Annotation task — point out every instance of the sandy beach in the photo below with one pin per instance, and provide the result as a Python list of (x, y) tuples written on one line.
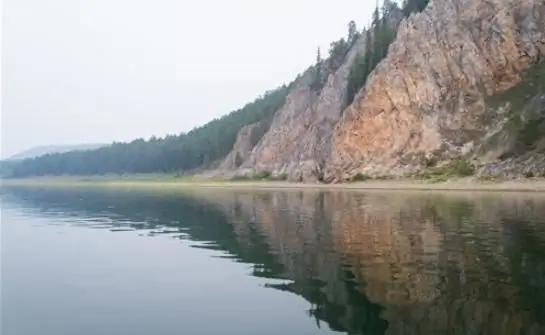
[(468, 184)]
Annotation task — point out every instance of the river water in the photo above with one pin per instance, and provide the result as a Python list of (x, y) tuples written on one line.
[(126, 261)]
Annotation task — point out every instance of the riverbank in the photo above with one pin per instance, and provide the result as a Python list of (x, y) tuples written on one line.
[(464, 184)]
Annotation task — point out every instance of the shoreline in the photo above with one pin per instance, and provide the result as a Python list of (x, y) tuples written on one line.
[(467, 184)]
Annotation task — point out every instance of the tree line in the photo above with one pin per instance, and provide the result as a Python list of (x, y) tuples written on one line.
[(337, 55), (199, 147)]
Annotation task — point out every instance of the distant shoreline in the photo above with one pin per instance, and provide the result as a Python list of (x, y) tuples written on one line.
[(467, 184)]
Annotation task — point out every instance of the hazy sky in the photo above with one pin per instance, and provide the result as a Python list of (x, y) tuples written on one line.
[(82, 71)]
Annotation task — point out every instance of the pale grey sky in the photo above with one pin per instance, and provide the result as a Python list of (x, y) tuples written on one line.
[(83, 71)]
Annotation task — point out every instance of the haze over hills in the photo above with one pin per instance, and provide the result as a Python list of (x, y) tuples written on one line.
[(54, 149), (431, 88)]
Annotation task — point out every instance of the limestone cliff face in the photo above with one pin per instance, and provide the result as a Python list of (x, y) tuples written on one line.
[(428, 97), (298, 141)]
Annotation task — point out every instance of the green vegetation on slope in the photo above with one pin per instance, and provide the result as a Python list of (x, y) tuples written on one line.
[(456, 168), (532, 83), (379, 36), (524, 128), (337, 55)]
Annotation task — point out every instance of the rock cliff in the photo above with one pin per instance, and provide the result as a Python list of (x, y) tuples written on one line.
[(433, 99), (427, 99), (298, 141)]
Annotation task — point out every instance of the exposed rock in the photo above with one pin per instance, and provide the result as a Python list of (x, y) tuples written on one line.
[(428, 101), (428, 95), (298, 141), (241, 151)]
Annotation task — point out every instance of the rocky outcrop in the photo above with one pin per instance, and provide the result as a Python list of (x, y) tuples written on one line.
[(298, 141), (241, 150), (431, 100), (428, 97)]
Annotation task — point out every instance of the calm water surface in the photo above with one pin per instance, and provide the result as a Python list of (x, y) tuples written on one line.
[(77, 261)]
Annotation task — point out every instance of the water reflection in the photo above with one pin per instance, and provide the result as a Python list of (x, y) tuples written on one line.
[(368, 263)]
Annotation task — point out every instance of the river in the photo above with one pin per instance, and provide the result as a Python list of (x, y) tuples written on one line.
[(93, 261)]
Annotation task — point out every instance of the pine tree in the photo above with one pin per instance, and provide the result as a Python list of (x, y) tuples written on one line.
[(317, 81), (352, 32)]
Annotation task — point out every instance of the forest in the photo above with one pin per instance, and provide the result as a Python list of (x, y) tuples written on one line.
[(206, 145), (173, 153)]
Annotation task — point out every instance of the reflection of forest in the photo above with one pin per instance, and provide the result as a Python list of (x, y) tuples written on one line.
[(368, 263), (460, 264)]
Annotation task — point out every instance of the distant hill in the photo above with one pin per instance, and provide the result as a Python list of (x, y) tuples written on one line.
[(53, 149)]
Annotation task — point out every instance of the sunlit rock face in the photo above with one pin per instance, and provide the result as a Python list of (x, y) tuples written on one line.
[(297, 143), (449, 87), (427, 99)]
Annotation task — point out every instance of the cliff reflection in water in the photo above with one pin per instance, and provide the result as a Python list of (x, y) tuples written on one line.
[(368, 263)]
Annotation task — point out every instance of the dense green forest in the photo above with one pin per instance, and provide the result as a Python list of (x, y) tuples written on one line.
[(205, 145)]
